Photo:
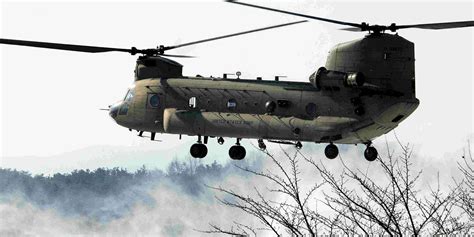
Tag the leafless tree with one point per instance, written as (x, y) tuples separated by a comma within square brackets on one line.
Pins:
[(392, 202), (292, 216), (465, 197), (389, 203)]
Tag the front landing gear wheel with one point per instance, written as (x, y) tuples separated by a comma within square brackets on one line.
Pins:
[(331, 151), (198, 150), (237, 152), (370, 153)]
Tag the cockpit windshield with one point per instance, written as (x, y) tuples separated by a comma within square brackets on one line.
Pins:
[(129, 95)]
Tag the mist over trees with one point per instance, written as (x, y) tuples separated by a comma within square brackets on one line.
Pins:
[(107, 194), (283, 192), (387, 199)]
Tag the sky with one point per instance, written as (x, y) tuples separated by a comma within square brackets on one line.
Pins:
[(50, 100)]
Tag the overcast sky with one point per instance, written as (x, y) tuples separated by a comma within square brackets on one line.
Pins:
[(50, 100)]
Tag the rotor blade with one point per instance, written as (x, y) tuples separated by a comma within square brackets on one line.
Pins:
[(439, 26), (353, 29), (298, 14), (232, 35), (68, 47), (176, 56)]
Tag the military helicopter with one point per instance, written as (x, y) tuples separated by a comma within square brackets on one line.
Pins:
[(365, 90)]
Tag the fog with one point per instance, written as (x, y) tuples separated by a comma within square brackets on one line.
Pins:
[(170, 202), (173, 202)]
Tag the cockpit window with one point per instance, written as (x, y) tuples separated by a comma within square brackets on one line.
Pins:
[(129, 95), (123, 109)]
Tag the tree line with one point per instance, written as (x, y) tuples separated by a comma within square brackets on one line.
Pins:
[(105, 194)]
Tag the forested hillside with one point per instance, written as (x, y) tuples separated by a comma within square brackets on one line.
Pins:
[(106, 194)]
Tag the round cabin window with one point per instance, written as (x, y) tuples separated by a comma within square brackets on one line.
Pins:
[(270, 106), (154, 101)]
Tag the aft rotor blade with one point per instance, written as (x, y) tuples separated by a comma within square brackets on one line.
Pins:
[(232, 35), (68, 47), (298, 14), (439, 26), (176, 56)]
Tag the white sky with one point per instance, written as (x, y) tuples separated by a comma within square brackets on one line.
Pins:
[(50, 99)]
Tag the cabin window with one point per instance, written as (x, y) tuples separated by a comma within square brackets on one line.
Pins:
[(153, 101), (192, 102), (283, 103), (231, 104)]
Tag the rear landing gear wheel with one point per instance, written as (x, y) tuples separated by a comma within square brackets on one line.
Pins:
[(370, 153), (331, 151), (237, 152), (198, 150)]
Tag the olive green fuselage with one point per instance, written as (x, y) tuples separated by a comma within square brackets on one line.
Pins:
[(281, 110)]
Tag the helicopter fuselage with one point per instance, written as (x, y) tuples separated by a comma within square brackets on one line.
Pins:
[(327, 109), (239, 108)]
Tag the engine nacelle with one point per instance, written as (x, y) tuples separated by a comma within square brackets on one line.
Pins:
[(334, 80)]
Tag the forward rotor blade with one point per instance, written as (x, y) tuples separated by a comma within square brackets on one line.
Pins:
[(68, 47), (298, 14), (231, 35), (439, 26), (353, 29)]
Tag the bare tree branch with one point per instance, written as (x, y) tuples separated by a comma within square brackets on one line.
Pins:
[(389, 202)]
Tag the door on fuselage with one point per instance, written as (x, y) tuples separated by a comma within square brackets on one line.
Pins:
[(155, 105)]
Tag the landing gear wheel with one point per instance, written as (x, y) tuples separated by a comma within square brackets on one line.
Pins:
[(261, 145), (198, 150), (331, 151), (370, 153), (237, 152)]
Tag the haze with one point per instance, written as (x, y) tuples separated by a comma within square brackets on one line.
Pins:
[(50, 100)]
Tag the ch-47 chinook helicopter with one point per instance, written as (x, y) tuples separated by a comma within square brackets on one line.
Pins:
[(366, 88)]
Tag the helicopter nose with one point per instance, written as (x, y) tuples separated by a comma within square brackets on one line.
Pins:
[(113, 112)]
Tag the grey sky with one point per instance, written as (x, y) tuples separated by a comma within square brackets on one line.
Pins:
[(50, 99)]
